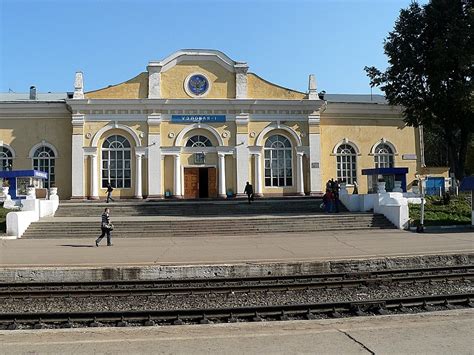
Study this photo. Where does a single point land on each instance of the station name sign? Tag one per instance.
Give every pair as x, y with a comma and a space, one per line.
197, 118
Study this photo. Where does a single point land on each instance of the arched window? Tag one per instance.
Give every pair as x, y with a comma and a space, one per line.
346, 163
198, 141
6, 159
278, 161
44, 160
383, 156
116, 162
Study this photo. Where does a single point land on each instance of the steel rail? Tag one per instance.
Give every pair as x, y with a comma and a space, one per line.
278, 312
226, 288
216, 280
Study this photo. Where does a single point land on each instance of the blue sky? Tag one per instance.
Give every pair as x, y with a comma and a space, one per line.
44, 42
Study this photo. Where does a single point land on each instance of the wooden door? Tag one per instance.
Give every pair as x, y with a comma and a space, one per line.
212, 182
191, 182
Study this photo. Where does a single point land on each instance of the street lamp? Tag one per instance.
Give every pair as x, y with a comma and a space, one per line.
421, 227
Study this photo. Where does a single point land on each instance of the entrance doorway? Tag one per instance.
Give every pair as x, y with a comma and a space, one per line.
200, 183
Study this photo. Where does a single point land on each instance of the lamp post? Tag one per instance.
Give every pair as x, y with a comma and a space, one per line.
421, 227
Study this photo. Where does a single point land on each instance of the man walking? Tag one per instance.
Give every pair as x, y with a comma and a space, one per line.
109, 193
249, 191
106, 228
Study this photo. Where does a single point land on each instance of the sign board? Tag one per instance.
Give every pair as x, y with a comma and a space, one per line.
409, 156
199, 158
197, 118
315, 165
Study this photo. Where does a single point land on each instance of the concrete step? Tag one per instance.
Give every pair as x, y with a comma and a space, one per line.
193, 208
241, 226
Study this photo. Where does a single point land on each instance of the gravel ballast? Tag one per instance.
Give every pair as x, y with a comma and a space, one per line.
194, 301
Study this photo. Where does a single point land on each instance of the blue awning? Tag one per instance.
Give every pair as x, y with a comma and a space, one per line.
23, 173
467, 184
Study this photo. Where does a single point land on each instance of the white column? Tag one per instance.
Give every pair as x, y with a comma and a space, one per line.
138, 176
299, 174
94, 194
242, 155
177, 176
258, 175
222, 189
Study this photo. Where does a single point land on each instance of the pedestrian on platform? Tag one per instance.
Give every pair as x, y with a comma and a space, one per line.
106, 228
336, 196
328, 200
356, 188
109, 193
249, 191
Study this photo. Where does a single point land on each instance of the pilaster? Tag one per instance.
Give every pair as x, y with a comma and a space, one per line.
154, 173
241, 80
77, 157
315, 154
242, 152
154, 80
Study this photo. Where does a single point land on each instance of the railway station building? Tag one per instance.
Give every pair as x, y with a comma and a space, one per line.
198, 124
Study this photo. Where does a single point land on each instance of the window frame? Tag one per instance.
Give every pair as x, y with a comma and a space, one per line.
193, 142
346, 163
278, 157
6, 158
107, 154
387, 159
39, 160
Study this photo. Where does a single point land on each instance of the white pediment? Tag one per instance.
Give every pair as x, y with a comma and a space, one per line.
191, 55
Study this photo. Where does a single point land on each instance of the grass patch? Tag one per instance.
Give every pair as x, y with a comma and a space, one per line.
3, 219
458, 211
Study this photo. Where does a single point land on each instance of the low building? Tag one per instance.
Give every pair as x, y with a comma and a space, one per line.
199, 124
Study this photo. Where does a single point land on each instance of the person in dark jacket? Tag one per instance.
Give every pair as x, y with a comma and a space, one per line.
328, 200
249, 191
109, 193
336, 196
106, 228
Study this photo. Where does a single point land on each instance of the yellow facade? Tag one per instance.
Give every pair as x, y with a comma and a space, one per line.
146, 111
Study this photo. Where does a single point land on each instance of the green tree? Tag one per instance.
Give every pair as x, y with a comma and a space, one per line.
431, 54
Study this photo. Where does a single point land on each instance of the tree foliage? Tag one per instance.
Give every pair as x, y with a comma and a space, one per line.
430, 53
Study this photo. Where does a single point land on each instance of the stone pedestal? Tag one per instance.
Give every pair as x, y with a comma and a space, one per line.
381, 187
30, 193
398, 187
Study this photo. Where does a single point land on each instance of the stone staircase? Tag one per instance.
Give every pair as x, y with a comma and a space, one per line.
192, 227
193, 208
195, 218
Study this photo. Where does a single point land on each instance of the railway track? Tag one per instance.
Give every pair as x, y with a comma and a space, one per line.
233, 285
24, 320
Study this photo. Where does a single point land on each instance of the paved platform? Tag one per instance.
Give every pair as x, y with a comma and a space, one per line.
448, 332
203, 256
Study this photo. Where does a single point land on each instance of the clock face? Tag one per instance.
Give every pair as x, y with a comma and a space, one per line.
198, 84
